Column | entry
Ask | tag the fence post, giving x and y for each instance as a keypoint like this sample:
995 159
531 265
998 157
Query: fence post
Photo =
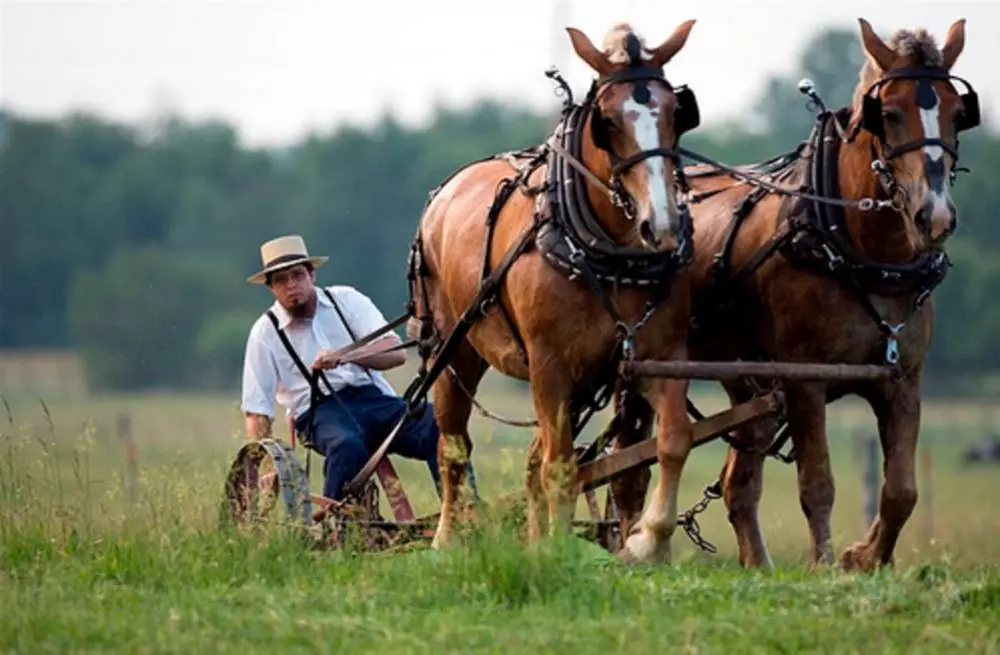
871 477
123 428
927 493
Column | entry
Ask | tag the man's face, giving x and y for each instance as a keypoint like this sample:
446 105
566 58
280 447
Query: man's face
293 287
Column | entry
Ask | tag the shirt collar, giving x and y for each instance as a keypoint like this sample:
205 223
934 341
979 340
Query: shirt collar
284 318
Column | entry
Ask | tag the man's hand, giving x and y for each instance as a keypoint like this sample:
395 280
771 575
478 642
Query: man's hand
326 359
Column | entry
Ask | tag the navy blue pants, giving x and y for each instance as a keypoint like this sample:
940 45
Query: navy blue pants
352 425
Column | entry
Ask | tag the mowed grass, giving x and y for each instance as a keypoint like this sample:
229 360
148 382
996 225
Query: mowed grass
88 563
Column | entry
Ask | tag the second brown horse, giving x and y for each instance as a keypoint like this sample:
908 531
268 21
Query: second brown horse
841 272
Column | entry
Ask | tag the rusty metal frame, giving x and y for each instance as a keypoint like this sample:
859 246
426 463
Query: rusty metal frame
601 470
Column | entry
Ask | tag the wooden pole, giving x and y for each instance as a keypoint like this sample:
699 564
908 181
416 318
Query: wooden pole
736 370
600 471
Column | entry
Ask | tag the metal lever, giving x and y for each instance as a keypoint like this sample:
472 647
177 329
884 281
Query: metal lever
553 74
808 88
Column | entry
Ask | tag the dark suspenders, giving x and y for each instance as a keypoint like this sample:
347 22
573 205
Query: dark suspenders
347 325
315 392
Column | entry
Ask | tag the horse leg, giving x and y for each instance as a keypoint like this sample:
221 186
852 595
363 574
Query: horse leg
897 409
649 541
742 485
533 489
452 410
806 411
552 389
629 489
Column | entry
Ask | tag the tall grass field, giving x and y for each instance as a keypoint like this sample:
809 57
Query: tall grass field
97 555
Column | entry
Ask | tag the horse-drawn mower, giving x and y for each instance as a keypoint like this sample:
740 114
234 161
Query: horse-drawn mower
593 269
268 480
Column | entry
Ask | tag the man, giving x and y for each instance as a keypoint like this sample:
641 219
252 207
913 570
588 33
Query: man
358 406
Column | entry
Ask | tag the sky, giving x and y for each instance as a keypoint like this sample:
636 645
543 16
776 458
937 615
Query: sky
280 69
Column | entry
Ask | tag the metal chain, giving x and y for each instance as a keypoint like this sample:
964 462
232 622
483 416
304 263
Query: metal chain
690 524
526 423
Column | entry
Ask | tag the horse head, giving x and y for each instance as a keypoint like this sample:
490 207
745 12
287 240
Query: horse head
911 115
636 116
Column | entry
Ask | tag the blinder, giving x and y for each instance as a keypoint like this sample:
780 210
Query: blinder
871 109
687 115
600 132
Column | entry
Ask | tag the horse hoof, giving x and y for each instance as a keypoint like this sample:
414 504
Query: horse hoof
642 548
441 542
757 563
823 562
857 558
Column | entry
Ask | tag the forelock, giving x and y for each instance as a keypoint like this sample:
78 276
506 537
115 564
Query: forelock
918 46
616 44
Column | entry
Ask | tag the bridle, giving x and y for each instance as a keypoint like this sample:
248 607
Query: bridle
686 118
872 122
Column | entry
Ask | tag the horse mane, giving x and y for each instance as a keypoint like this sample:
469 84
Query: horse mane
919 48
617 42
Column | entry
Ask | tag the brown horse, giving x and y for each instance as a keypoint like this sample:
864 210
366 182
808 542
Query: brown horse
839 270
582 236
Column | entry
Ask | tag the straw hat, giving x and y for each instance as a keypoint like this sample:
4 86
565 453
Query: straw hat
283 252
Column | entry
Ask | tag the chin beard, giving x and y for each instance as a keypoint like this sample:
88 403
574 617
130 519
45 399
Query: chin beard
299 309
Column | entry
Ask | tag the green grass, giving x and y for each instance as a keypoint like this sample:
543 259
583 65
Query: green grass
196 592
85 567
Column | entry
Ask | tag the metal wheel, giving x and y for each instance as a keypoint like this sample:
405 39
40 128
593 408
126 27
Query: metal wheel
266 485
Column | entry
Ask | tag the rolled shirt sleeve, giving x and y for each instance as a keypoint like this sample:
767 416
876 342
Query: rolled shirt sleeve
260 376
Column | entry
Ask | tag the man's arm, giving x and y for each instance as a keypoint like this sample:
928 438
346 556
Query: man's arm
258 426
260 382
368 356
365 318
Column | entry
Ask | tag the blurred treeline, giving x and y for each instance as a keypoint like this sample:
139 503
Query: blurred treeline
132 245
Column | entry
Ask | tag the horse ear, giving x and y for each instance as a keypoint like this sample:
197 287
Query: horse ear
953 43
876 49
588 52
664 52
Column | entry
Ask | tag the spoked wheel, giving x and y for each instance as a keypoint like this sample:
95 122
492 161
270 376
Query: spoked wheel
267 485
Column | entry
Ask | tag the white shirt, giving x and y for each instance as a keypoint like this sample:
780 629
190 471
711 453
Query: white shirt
270 373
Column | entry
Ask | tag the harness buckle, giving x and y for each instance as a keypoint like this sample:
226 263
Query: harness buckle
892 346
627 333
621 200
575 253
833 260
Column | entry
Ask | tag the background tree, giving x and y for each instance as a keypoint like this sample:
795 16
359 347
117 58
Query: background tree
133 247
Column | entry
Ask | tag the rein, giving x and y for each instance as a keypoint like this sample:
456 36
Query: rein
861 204
583 170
